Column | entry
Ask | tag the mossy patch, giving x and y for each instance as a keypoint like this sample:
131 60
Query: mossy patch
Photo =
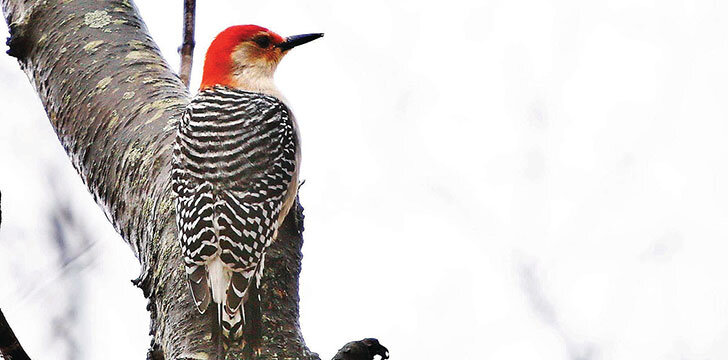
103 83
140 55
97 19
91 46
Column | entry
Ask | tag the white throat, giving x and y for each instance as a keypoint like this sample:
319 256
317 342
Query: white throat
255 79
253 72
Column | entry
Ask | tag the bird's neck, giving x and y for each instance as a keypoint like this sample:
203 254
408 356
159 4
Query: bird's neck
256 81
248 77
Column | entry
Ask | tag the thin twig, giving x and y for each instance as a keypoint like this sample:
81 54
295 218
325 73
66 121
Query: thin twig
188 42
9 345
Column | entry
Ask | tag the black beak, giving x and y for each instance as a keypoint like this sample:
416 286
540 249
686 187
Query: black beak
295 40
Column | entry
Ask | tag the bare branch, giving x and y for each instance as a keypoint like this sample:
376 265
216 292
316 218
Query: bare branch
188 42
365 349
10 347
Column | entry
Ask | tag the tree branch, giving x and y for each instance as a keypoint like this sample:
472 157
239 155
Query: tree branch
10 347
365 349
188 42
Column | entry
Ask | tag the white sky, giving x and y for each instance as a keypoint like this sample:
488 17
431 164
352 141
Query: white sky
484 180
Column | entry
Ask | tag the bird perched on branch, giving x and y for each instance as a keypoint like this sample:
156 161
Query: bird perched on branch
235 173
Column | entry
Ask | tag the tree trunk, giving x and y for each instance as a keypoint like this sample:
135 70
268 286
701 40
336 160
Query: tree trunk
114 103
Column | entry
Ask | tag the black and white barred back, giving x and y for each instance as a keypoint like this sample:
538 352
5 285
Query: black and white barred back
234 162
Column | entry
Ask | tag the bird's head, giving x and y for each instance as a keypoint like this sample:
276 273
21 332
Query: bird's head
246 56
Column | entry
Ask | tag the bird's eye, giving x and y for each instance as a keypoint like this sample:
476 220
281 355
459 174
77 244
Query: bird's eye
262 41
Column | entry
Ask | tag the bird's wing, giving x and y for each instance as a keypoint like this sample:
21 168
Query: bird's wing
240 148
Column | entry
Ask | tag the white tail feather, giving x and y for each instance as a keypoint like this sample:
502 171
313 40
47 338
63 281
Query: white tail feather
219 277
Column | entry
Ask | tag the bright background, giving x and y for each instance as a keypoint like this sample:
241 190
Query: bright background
484 180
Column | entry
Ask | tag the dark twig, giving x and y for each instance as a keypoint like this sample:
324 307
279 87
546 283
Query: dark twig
364 349
188 42
9 345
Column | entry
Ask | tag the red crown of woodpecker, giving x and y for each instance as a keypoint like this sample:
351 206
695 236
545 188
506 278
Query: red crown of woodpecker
219 63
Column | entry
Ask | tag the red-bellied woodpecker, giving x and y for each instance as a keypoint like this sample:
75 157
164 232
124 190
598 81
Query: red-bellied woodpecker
235 172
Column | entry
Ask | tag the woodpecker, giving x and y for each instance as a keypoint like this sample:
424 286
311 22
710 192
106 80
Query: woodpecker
235 173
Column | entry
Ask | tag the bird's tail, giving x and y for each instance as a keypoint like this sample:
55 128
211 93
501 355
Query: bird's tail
241 316
197 278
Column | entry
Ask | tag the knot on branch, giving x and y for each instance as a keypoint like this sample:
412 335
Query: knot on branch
18 43
155 352
364 349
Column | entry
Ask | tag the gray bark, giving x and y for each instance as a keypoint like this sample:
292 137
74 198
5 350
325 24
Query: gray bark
114 103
